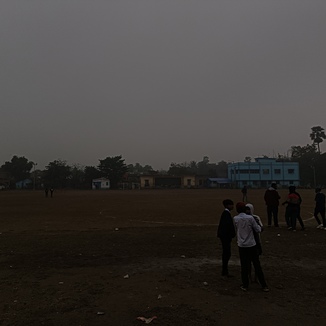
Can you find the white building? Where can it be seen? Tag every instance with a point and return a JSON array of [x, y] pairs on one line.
[[100, 183]]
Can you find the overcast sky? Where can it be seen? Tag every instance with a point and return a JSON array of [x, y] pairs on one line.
[[160, 81]]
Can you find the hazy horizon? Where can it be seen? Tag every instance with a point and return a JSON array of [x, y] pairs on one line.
[[160, 81]]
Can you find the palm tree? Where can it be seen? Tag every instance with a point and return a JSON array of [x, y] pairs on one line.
[[317, 136]]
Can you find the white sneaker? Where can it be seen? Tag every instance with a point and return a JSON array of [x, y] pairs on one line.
[[320, 226]]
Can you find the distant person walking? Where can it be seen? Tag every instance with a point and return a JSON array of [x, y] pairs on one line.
[[244, 191], [46, 190], [272, 201], [226, 232], [320, 208], [51, 192], [245, 227]]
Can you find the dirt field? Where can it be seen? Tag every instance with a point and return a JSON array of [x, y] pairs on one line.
[[104, 258]]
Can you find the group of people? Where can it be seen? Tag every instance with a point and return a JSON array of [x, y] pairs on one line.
[[46, 190], [246, 227], [293, 207]]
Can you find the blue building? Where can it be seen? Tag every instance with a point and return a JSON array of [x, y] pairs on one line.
[[262, 172]]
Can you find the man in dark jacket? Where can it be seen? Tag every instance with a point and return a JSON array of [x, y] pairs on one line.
[[272, 200], [226, 232]]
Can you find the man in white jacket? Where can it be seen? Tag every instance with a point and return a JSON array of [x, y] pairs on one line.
[[245, 227]]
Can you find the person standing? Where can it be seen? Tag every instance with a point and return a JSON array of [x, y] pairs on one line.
[[245, 227], [250, 211], [299, 213], [226, 232], [51, 192], [320, 208], [244, 191], [272, 201], [292, 211]]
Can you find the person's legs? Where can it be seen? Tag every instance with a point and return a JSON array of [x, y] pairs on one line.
[[259, 272], [226, 254], [316, 212], [244, 261], [288, 217], [269, 215], [275, 215], [299, 218], [294, 216], [322, 213]]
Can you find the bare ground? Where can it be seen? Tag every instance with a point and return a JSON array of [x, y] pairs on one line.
[[125, 254]]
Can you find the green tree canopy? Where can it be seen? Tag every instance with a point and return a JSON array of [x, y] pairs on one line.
[[57, 174], [317, 136], [19, 168], [307, 158], [138, 168], [113, 168], [90, 173]]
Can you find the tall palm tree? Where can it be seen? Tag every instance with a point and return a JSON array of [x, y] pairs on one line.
[[317, 136]]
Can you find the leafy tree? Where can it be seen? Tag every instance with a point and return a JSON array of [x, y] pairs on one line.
[[179, 169], [113, 168], [203, 166], [19, 168], [301, 151], [138, 168], [317, 136], [77, 176], [307, 158], [57, 174], [90, 173], [222, 169]]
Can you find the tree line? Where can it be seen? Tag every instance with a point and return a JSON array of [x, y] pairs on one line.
[[58, 174]]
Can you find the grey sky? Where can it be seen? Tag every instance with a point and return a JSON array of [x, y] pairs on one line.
[[160, 81]]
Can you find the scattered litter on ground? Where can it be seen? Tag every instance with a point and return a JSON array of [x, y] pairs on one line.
[[146, 320]]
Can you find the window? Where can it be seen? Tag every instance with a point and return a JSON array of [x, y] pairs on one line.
[[277, 171], [265, 171], [146, 183], [251, 171], [291, 171]]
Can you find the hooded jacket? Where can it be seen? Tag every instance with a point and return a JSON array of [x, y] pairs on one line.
[[271, 197], [245, 227]]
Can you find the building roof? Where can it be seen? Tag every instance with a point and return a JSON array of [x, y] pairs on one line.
[[220, 180]]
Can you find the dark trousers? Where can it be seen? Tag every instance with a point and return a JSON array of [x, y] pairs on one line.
[[226, 255], [320, 211], [248, 256], [292, 214], [272, 211]]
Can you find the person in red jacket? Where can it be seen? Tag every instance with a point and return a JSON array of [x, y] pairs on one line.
[[272, 201]]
